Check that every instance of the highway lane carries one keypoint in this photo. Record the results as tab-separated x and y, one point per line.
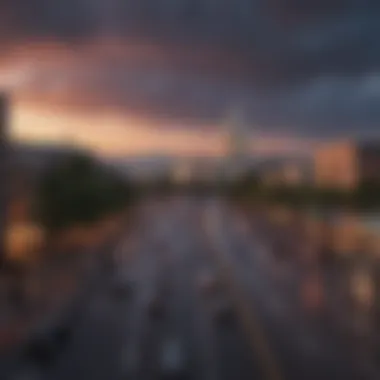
212	351
185	316
68	313
231	351
233	354
216	351
94	348
118	339
303	348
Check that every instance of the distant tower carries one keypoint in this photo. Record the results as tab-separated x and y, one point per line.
4	172
236	144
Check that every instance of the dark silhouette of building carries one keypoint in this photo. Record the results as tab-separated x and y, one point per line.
4	168
348	163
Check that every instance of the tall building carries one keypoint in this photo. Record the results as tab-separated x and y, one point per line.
4	171
345	164
236	149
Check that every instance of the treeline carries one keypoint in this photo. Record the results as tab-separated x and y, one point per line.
365	196
79	189
166	186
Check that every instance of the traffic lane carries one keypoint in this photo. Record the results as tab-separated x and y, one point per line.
146	332
192	316
142	333
150	347
304	349
54	323
232	355
94	350
261	352
94	343
94	347
96	339
182	309
185	318
266	323
296	339
315	329
327	284
299	364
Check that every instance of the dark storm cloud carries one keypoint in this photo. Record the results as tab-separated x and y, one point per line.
301	63
284	36
328	106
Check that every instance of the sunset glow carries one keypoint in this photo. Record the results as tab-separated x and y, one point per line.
117	135
106	96
107	134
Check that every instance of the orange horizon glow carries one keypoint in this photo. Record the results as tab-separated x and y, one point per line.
107	133
68	116
110	134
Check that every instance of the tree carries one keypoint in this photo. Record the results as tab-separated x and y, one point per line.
367	194
79	190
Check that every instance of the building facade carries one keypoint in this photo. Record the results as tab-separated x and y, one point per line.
285	172
346	164
236	146
4	171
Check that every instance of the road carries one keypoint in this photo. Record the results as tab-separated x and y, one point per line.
118	338
301	343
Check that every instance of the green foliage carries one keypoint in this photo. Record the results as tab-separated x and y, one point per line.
79	190
245	187
365	196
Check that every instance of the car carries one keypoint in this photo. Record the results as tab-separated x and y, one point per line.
172	360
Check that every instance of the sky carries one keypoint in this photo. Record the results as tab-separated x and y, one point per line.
132	76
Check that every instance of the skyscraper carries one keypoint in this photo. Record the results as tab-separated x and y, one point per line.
236	143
